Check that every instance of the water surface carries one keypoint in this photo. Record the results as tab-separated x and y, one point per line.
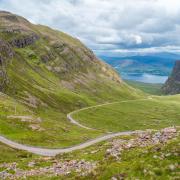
146	78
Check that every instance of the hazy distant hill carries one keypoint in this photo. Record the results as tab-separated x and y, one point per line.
156	64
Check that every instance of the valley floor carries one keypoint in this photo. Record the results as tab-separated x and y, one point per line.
150	88
154	112
122	157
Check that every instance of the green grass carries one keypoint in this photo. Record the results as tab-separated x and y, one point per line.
136	163
87	82
132	115
58	131
71	78
53	101
149	88
10	155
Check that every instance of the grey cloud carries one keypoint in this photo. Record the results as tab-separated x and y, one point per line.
117	25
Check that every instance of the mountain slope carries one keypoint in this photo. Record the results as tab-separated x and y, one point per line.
172	85
50	73
45	58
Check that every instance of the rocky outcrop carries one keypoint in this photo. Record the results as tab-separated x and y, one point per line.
16	30
172	85
6	53
5	50
24	41
58	168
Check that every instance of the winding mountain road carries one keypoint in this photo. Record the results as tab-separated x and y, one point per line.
54	152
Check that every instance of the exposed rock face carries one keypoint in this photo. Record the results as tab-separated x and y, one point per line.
172	85
6	53
5	50
24	41
14	32
17	29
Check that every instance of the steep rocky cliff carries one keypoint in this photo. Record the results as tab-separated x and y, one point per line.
172	85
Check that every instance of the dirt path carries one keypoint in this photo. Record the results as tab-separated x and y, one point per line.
54	152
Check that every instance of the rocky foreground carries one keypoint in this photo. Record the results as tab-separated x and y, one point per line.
60	167
143	139
57	169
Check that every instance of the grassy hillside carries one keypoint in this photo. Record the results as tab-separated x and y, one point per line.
47	74
149	88
132	115
150	162
39	61
48	127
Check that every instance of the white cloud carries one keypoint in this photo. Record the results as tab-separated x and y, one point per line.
131	25
137	51
137	38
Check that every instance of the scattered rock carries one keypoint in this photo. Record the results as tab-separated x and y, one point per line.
95	151
143	139
4	175
22	118
32	101
36	127
119	177
39	120
46	158
114	178
58	168
155	156
172	167
8	165
31	164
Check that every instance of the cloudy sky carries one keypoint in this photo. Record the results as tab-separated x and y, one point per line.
110	27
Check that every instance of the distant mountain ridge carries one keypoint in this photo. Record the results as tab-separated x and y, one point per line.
172	85
155	64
